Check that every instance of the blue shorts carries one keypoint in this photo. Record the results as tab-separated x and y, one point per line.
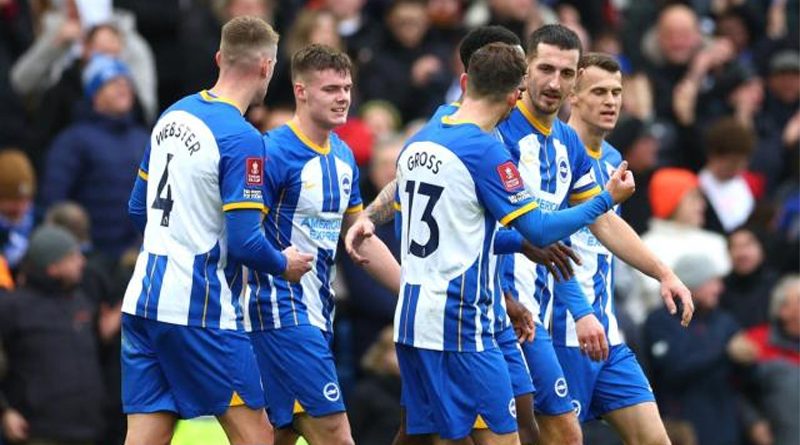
521	382
299	373
598	388
552	397
445	392
187	370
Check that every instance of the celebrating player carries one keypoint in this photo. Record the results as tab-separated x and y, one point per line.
311	193
455	181
198	201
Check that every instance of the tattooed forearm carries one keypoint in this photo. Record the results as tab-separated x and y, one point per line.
381	210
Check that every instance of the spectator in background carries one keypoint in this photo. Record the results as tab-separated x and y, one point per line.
675	231
773	351
16	35
94	161
408	68
361	36
375	403
690	371
58	46
62	100
729	145
53	391
751	280
17	190
382	118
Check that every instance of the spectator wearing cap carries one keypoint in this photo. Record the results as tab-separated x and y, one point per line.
93	162
675	230
53	391
17	190
689	367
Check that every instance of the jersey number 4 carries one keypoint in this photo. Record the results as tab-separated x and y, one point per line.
164	204
433	192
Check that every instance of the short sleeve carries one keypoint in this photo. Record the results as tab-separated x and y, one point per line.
584	186
241	172
355	204
498	182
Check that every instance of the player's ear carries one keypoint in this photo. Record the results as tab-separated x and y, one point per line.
299	90
218	59
462	82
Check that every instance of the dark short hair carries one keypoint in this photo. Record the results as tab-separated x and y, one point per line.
600	60
316	57
494	71
556	35
728	137
482	36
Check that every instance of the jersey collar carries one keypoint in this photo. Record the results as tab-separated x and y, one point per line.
209	97
323	150
542	128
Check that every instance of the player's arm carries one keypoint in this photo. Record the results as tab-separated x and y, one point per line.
379	262
380	211
555	257
137	203
625	243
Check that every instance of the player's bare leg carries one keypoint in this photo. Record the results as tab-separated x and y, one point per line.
639	424
487	437
563	429
526	421
246	426
150	429
401	438
333	429
286	436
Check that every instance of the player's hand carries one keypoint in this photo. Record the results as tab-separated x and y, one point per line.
521	319
621	184
555	257
592	338
297	264
15	427
362	229
672	288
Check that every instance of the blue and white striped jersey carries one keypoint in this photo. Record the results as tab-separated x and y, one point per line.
595	276
454	183
307	191
557	171
203	159
501	319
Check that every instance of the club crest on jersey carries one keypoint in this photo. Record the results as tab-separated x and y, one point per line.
563	169
346	185
509	175
254	171
561	387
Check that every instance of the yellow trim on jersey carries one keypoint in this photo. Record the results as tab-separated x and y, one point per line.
544	129
480	424
243	205
355	209
456	104
265	210
236	400
143	174
304	139
450	121
209	98
396	205
297	408
583	196
594	153
517	213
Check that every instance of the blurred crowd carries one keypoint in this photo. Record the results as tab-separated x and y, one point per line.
710	128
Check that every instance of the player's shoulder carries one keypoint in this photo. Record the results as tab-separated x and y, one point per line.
514	127
611	155
341	150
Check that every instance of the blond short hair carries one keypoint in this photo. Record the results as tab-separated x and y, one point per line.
245	39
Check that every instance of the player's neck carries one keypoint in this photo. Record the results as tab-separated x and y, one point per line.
592	137
545	119
315	133
482	113
231	91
